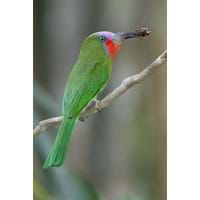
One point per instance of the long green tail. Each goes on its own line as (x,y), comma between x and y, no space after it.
(57,154)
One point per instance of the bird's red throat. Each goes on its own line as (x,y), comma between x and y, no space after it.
(113,48)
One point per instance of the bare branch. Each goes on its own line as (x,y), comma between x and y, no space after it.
(43,125)
(126,84)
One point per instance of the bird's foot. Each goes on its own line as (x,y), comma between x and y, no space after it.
(95,105)
(82,119)
(98,105)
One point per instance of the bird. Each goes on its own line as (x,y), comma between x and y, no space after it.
(89,76)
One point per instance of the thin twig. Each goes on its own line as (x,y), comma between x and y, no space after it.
(126,84)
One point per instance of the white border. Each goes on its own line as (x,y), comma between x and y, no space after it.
(183,100)
(16,99)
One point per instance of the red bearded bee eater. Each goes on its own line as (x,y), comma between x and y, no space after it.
(86,80)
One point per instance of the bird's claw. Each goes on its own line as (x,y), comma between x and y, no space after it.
(98,106)
(82,119)
(99,110)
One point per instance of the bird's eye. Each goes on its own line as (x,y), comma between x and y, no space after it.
(102,38)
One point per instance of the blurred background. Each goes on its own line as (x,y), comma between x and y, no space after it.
(119,154)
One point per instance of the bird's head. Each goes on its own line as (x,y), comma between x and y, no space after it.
(111,42)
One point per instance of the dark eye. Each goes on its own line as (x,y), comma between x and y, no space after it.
(102,38)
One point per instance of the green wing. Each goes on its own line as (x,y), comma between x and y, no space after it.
(83,85)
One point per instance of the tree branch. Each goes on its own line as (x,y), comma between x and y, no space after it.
(126,84)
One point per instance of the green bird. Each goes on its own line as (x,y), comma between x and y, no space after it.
(87,79)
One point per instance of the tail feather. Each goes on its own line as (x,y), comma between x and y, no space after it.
(57,154)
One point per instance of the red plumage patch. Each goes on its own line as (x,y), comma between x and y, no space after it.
(113,48)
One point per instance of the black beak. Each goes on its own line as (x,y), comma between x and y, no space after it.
(125,36)
(142,32)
